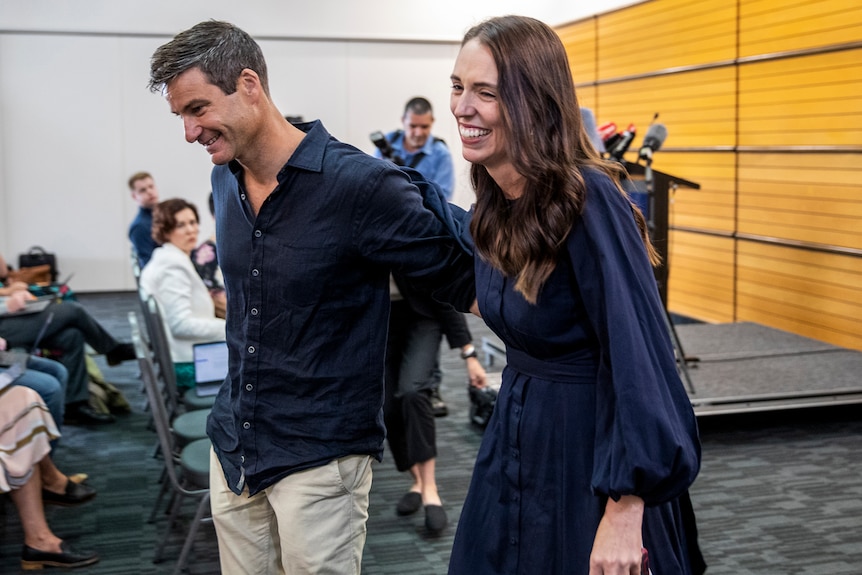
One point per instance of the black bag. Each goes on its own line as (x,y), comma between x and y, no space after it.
(37,256)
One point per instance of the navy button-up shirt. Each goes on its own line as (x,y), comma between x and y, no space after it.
(307,283)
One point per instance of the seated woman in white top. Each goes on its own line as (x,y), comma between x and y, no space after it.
(187,308)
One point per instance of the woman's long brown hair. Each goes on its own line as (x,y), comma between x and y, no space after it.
(548,147)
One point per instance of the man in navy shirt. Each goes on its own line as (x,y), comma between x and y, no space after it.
(308,230)
(146,195)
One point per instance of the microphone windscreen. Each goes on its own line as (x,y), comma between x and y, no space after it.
(589,121)
(655,137)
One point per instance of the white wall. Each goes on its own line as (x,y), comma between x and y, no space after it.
(76,118)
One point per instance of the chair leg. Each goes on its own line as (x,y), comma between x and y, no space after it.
(164,489)
(177,499)
(203,506)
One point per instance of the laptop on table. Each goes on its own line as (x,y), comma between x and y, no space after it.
(211,365)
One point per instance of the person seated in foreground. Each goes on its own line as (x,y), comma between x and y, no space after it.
(70,329)
(186,305)
(30,477)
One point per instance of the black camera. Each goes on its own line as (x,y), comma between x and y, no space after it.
(379,140)
(482,402)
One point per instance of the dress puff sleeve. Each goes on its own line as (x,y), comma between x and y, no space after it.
(647,441)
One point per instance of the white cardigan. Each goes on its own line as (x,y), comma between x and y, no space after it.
(187,307)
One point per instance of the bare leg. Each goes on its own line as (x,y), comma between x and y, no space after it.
(424,479)
(28,500)
(52,478)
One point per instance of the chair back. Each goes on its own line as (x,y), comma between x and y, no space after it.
(161,420)
(162,354)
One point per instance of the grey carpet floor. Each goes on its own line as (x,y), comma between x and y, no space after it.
(779,493)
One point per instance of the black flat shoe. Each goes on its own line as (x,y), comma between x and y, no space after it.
(409,503)
(86,415)
(32,559)
(75,494)
(435,519)
(123,352)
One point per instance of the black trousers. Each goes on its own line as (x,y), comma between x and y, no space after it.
(70,329)
(412,355)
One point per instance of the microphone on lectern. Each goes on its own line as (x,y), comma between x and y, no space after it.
(655,137)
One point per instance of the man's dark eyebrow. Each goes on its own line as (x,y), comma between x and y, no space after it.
(193,104)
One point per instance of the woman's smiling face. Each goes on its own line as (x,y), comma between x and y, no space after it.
(475,105)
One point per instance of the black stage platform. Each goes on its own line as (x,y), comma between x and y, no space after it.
(747,367)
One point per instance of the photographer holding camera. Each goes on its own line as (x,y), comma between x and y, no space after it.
(415,147)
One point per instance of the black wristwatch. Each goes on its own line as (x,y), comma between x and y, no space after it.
(471,352)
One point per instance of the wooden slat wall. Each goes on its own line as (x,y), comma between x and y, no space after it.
(701,276)
(801,291)
(665,34)
(697,107)
(804,101)
(713,206)
(767,26)
(813,198)
(727,84)
(580,42)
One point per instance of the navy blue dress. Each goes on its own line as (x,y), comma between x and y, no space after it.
(591,406)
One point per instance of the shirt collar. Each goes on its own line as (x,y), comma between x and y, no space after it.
(308,155)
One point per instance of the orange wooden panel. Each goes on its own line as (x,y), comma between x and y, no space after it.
(698,108)
(766,26)
(700,282)
(579,40)
(673,33)
(587,97)
(838,269)
(804,101)
(805,324)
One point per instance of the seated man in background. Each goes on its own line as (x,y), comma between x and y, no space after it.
(146,195)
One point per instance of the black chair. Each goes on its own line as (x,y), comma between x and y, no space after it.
(177,402)
(186,467)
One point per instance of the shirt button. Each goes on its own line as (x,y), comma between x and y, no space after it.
(249,387)
(246,425)
(242,196)
(257,233)
(255,272)
(254,311)
(251,349)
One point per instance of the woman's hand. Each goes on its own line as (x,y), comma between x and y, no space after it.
(2,344)
(619,538)
(18,300)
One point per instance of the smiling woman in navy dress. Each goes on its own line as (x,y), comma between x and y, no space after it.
(593,444)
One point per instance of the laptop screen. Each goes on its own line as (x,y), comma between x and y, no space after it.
(210,362)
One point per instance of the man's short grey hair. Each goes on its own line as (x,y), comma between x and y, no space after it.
(218,49)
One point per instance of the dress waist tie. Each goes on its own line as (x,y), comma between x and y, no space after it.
(580,369)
